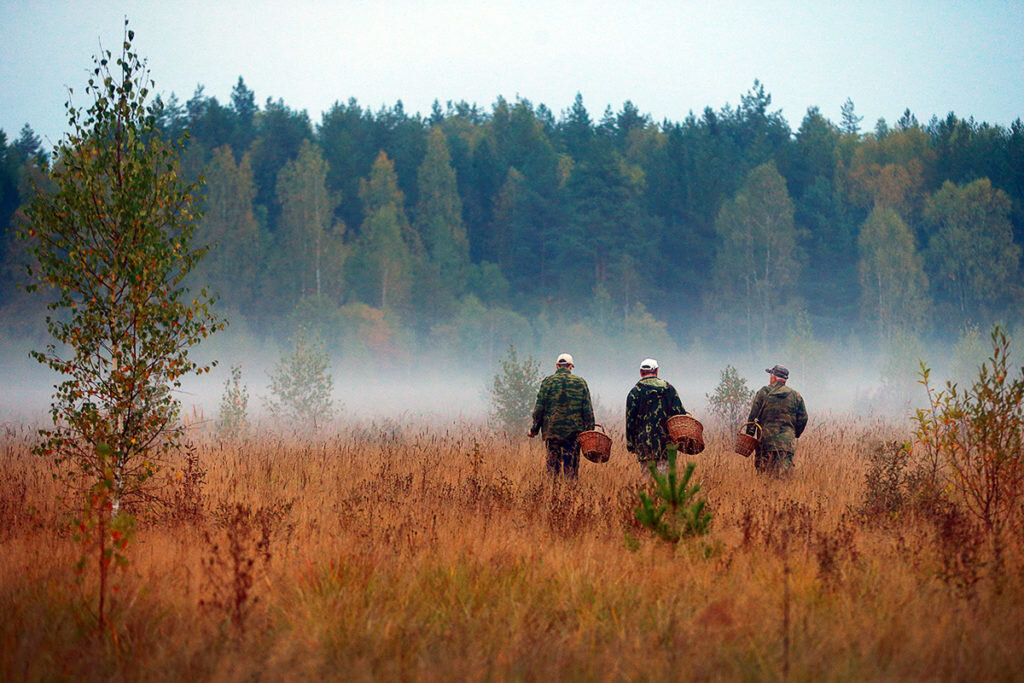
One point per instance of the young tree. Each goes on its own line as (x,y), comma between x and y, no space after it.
(513,390)
(113,242)
(233,421)
(731,399)
(977,430)
(301,385)
(675,512)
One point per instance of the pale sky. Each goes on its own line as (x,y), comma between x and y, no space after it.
(668,58)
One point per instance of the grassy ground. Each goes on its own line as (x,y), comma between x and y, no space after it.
(444,552)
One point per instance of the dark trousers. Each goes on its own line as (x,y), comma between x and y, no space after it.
(776,463)
(563,457)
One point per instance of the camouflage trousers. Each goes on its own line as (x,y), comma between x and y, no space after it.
(774,463)
(563,457)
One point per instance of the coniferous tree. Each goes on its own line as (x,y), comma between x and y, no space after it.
(245,109)
(850,122)
(345,135)
(280,132)
(439,221)
(30,147)
(388,250)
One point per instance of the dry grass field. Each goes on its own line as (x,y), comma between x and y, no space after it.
(392,551)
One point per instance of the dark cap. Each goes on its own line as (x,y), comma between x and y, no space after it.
(779,371)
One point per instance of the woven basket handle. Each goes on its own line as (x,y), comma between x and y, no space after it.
(757,429)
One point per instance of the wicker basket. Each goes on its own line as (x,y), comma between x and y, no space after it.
(596,445)
(745,443)
(686,432)
(684,427)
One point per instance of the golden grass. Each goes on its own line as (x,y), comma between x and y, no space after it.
(446,553)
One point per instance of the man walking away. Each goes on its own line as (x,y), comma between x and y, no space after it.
(563,410)
(648,406)
(780,411)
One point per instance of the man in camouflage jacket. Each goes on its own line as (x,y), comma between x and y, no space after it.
(782,415)
(563,410)
(649,404)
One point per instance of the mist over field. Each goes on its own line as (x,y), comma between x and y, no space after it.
(427,387)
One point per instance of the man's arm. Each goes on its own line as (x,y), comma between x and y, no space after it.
(755,407)
(539,408)
(800,419)
(588,407)
(631,399)
(675,404)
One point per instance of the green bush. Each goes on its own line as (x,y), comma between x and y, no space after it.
(732,397)
(513,390)
(301,385)
(978,433)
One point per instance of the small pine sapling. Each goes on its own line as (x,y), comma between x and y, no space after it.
(677,513)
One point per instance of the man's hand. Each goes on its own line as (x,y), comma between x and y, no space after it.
(531,433)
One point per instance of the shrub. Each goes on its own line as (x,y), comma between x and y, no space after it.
(233,421)
(301,385)
(978,432)
(731,399)
(885,482)
(513,391)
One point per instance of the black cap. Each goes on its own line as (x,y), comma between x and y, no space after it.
(779,371)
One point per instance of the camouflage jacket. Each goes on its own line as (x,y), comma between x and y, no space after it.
(783,417)
(563,407)
(649,404)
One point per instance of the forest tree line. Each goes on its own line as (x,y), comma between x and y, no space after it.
(469,228)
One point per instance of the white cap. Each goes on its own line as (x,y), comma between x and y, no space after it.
(649,364)
(564,359)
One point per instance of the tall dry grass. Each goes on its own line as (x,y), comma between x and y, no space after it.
(445,552)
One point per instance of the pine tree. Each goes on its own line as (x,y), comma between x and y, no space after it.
(676,512)
(388,251)
(439,220)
